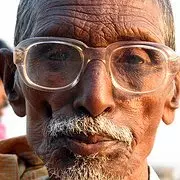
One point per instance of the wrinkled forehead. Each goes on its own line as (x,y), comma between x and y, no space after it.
(99,23)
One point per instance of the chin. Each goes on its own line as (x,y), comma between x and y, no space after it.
(63,164)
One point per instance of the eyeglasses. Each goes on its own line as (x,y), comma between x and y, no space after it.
(50,63)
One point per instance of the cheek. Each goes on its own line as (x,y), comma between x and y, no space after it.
(152,111)
(41,101)
(142,115)
(39,108)
(35,126)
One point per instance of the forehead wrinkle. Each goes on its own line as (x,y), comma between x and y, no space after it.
(94,11)
(81,3)
(105,22)
(133,34)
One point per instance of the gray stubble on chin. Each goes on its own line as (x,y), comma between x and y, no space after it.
(92,167)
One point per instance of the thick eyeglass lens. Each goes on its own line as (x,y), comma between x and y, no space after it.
(53,65)
(138,69)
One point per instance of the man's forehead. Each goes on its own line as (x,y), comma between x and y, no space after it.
(102,3)
(99,22)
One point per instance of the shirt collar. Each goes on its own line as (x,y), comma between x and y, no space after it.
(152,174)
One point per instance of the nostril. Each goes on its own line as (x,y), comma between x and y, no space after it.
(107,110)
(48,110)
(93,105)
(83,110)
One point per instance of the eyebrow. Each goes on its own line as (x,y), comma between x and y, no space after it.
(137,38)
(142,35)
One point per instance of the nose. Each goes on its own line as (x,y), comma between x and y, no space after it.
(95,90)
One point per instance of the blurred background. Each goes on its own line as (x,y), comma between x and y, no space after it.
(165,157)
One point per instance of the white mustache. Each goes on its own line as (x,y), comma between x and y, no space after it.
(82,124)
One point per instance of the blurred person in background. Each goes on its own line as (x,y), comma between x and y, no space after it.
(165,173)
(3,44)
(3,100)
(3,103)
(94,79)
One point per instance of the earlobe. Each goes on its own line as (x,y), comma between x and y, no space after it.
(13,91)
(16,99)
(168,115)
(173,103)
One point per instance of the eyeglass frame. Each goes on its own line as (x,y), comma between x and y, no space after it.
(89,54)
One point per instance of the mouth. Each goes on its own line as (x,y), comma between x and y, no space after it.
(90,145)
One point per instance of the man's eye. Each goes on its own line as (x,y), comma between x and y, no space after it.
(134,59)
(58,56)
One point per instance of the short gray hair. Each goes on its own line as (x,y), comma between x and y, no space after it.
(27,13)
(168,22)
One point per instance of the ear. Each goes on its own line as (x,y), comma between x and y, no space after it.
(172,103)
(11,85)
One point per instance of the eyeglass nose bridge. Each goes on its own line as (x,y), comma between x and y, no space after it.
(95,54)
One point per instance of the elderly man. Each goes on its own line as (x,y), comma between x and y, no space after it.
(94,79)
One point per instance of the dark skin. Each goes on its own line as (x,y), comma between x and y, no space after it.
(97,25)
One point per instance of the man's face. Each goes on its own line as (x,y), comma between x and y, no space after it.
(91,152)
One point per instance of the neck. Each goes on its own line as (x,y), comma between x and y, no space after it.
(140,174)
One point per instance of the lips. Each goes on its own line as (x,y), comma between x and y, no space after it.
(90,139)
(89,145)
